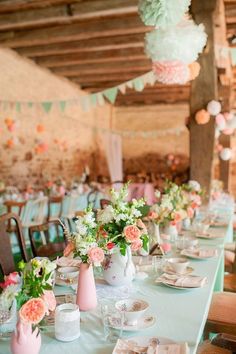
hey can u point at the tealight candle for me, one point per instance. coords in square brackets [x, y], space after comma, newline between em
[67, 322]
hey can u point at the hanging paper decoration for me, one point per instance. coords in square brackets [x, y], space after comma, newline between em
[41, 148]
[228, 115]
[161, 13]
[111, 94]
[40, 128]
[228, 131]
[214, 107]
[194, 70]
[219, 147]
[47, 106]
[183, 42]
[220, 121]
[217, 133]
[11, 127]
[8, 121]
[226, 154]
[202, 117]
[171, 72]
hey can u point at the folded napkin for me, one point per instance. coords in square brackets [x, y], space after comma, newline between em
[131, 347]
[188, 281]
[67, 262]
[201, 252]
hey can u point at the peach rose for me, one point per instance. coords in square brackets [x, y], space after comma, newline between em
[33, 311]
[49, 299]
[152, 215]
[136, 245]
[190, 212]
[69, 248]
[132, 233]
[96, 255]
[177, 219]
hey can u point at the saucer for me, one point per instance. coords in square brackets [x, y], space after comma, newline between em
[143, 323]
[169, 270]
[66, 282]
[195, 255]
[143, 342]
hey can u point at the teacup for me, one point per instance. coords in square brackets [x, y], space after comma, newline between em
[186, 242]
[179, 265]
[68, 272]
[133, 309]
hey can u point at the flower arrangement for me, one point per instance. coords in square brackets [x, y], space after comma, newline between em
[83, 242]
[120, 224]
[170, 206]
[32, 290]
[194, 193]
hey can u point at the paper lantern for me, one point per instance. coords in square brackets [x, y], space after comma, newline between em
[194, 70]
[226, 154]
[40, 128]
[183, 42]
[161, 13]
[202, 117]
[171, 72]
[231, 124]
[228, 116]
[214, 107]
[220, 121]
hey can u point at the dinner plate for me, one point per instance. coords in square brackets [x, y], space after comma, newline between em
[144, 342]
[169, 270]
[190, 254]
[207, 236]
[143, 323]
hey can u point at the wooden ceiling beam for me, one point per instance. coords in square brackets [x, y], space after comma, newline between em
[74, 32]
[66, 14]
[104, 69]
[21, 5]
[88, 58]
[85, 46]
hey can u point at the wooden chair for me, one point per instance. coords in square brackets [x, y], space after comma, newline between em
[104, 203]
[54, 201]
[222, 314]
[7, 264]
[230, 266]
[16, 208]
[46, 247]
[221, 344]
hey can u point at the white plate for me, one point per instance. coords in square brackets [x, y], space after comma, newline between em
[169, 270]
[145, 341]
[195, 256]
[180, 287]
[143, 323]
[208, 236]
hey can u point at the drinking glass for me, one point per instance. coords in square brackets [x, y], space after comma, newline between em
[67, 322]
[157, 264]
[111, 318]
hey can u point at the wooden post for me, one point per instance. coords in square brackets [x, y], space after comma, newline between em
[203, 90]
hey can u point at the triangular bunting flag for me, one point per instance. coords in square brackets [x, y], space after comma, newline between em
[85, 103]
[47, 106]
[138, 84]
[233, 55]
[129, 84]
[30, 104]
[100, 99]
[62, 105]
[93, 99]
[18, 107]
[111, 94]
[122, 88]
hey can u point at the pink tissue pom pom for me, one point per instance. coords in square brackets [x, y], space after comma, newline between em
[220, 121]
[228, 131]
[228, 116]
[171, 72]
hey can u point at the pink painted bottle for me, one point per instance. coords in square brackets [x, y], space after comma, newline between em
[86, 293]
[24, 340]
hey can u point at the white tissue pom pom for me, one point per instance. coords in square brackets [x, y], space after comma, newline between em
[226, 154]
[214, 107]
[162, 13]
[183, 42]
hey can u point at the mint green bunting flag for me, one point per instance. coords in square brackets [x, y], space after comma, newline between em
[18, 107]
[138, 84]
[62, 105]
[47, 106]
[233, 55]
[93, 98]
[85, 103]
[111, 94]
[30, 104]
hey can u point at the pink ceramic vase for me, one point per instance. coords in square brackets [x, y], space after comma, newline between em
[86, 293]
[24, 340]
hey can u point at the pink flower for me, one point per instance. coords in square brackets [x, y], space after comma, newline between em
[152, 215]
[96, 255]
[190, 212]
[69, 248]
[142, 226]
[49, 299]
[132, 233]
[10, 279]
[33, 311]
[136, 245]
[177, 218]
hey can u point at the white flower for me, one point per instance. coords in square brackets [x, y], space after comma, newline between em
[89, 219]
[80, 227]
[194, 185]
[121, 216]
[166, 203]
[7, 296]
[157, 194]
[136, 213]
[48, 265]
[106, 215]
[114, 196]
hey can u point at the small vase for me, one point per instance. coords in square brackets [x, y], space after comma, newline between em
[186, 223]
[172, 231]
[25, 340]
[86, 293]
[119, 270]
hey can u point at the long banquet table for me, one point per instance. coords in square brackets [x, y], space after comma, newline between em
[180, 314]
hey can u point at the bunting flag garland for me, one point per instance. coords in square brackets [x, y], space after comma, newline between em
[85, 101]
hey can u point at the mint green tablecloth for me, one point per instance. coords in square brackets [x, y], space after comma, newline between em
[180, 315]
